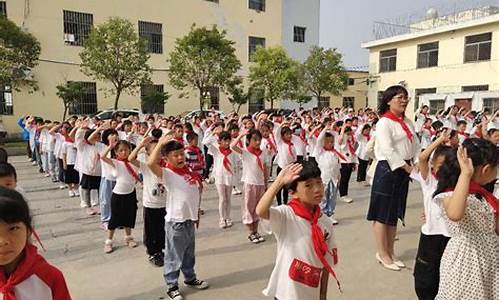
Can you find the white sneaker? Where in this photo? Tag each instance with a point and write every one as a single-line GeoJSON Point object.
{"type": "Point", "coordinates": [346, 199]}
{"type": "Point", "coordinates": [77, 193]}
{"type": "Point", "coordinates": [334, 221]}
{"type": "Point", "coordinates": [62, 187]}
{"type": "Point", "coordinates": [236, 191]}
{"type": "Point", "coordinates": [34, 163]}
{"type": "Point", "coordinates": [47, 175]}
{"type": "Point", "coordinates": [71, 193]}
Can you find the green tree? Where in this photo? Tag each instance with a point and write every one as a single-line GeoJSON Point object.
{"type": "Point", "coordinates": [322, 72]}
{"type": "Point", "coordinates": [70, 93]}
{"type": "Point", "coordinates": [19, 52]}
{"type": "Point", "coordinates": [202, 59]}
{"type": "Point", "coordinates": [153, 99]}
{"type": "Point", "coordinates": [237, 94]}
{"type": "Point", "coordinates": [274, 73]}
{"type": "Point", "coordinates": [114, 52]}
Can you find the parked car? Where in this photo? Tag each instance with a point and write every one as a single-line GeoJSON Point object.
{"type": "Point", "coordinates": [124, 113]}
{"type": "Point", "coordinates": [197, 112]}
{"type": "Point", "coordinates": [282, 111]}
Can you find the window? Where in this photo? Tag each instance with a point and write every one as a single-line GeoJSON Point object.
{"type": "Point", "coordinates": [148, 107]}
{"type": "Point", "coordinates": [3, 8]}
{"type": "Point", "coordinates": [253, 43]}
{"type": "Point", "coordinates": [6, 105]}
{"type": "Point", "coordinates": [213, 97]}
{"type": "Point", "coordinates": [491, 104]}
{"type": "Point", "coordinates": [427, 55]}
{"type": "Point", "coordinates": [475, 88]}
{"type": "Point", "coordinates": [299, 34]}
{"type": "Point", "coordinates": [256, 101]}
{"type": "Point", "coordinates": [350, 81]}
{"type": "Point", "coordinates": [348, 102]}
{"type": "Point", "coordinates": [477, 47]}
{"type": "Point", "coordinates": [151, 32]}
{"type": "Point", "coordinates": [87, 104]}
{"type": "Point", "coordinates": [380, 94]}
{"type": "Point", "coordinates": [77, 27]}
{"type": "Point", "coordinates": [387, 60]}
{"type": "Point", "coordinates": [323, 102]}
{"type": "Point", "coordinates": [258, 5]}
{"type": "Point", "coordinates": [419, 92]}
{"type": "Point", "coordinates": [435, 106]}
{"type": "Point", "coordinates": [214, 1]}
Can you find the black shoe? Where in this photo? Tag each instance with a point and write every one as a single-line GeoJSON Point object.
{"type": "Point", "coordinates": [174, 294]}
{"type": "Point", "coordinates": [197, 284]}
{"type": "Point", "coordinates": [157, 259]}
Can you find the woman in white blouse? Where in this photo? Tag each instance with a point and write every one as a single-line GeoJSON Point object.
{"type": "Point", "coordinates": [396, 144]}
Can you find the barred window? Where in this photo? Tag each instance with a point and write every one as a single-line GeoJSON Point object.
{"type": "Point", "coordinates": [323, 102]}
{"type": "Point", "coordinates": [151, 32]}
{"type": "Point", "coordinates": [477, 47]}
{"type": "Point", "coordinates": [258, 5]}
{"type": "Point", "coordinates": [77, 27]}
{"type": "Point", "coordinates": [436, 105]}
{"type": "Point", "coordinates": [87, 104]}
{"type": "Point", "coordinates": [253, 43]}
{"type": "Point", "coordinates": [299, 34]}
{"type": "Point", "coordinates": [151, 108]}
{"type": "Point", "coordinates": [255, 101]}
{"type": "Point", "coordinates": [475, 88]}
{"type": "Point", "coordinates": [491, 104]}
{"type": "Point", "coordinates": [6, 104]}
{"type": "Point", "coordinates": [350, 81]}
{"type": "Point", "coordinates": [348, 102]}
{"type": "Point", "coordinates": [387, 61]}
{"type": "Point", "coordinates": [215, 1]}
{"type": "Point", "coordinates": [3, 8]}
{"type": "Point", "coordinates": [419, 92]}
{"type": "Point", "coordinates": [213, 96]}
{"type": "Point", "coordinates": [427, 55]}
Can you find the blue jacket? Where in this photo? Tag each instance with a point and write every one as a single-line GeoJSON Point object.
{"type": "Point", "coordinates": [26, 132]}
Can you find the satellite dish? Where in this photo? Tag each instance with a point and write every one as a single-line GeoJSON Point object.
{"type": "Point", "coordinates": [431, 13]}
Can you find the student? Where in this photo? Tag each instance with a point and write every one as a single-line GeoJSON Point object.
{"type": "Point", "coordinates": [8, 176]}
{"type": "Point", "coordinates": [345, 143]}
{"type": "Point", "coordinates": [194, 155]}
{"type": "Point", "coordinates": [183, 204]}
{"type": "Point", "coordinates": [469, 265]}
{"type": "Point", "coordinates": [363, 137]}
{"type": "Point", "coordinates": [427, 133]}
{"type": "Point", "coordinates": [234, 131]}
{"type": "Point", "coordinates": [434, 234]}
{"type": "Point", "coordinates": [124, 198]}
{"type": "Point", "coordinates": [286, 154]}
{"type": "Point", "coordinates": [461, 127]}
{"type": "Point", "coordinates": [24, 274]}
{"type": "Point", "coordinates": [108, 177]}
{"type": "Point", "coordinates": [306, 246]}
{"type": "Point", "coordinates": [268, 145]}
{"type": "Point", "coordinates": [71, 177]}
{"type": "Point", "coordinates": [254, 180]}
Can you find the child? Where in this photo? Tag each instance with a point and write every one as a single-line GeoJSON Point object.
{"type": "Point", "coordinates": [286, 155]}
{"type": "Point", "coordinates": [194, 155]}
{"type": "Point", "coordinates": [71, 177]}
{"type": "Point", "coordinates": [153, 201]}
{"type": "Point", "coordinates": [108, 177]}
{"type": "Point", "coordinates": [268, 146]}
{"type": "Point", "coordinates": [306, 247]}
{"type": "Point", "coordinates": [8, 176]}
{"type": "Point", "coordinates": [461, 127]}
{"type": "Point", "coordinates": [348, 161]}
{"type": "Point", "coordinates": [363, 137]}
{"type": "Point", "coordinates": [434, 234]}
{"type": "Point", "coordinates": [24, 274]}
{"type": "Point", "coordinates": [427, 133]}
{"type": "Point", "coordinates": [469, 265]}
{"type": "Point", "coordinates": [254, 180]}
{"type": "Point", "coordinates": [224, 165]}
{"type": "Point", "coordinates": [124, 198]}
{"type": "Point", "coordinates": [183, 202]}
{"type": "Point", "coordinates": [234, 131]}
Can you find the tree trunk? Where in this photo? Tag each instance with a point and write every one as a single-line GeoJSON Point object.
{"type": "Point", "coordinates": [118, 92]}
{"type": "Point", "coordinates": [201, 101]}
{"type": "Point", "coordinates": [65, 111]}
{"type": "Point", "coordinates": [272, 103]}
{"type": "Point", "coordinates": [238, 109]}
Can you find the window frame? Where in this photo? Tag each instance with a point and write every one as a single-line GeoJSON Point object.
{"type": "Point", "coordinates": [3, 8]}
{"type": "Point", "coordinates": [299, 34]}
{"type": "Point", "coordinates": [475, 88]}
{"type": "Point", "coordinates": [478, 44]}
{"type": "Point", "coordinates": [422, 91]}
{"type": "Point", "coordinates": [253, 48]}
{"type": "Point", "coordinates": [389, 60]}
{"type": "Point", "coordinates": [432, 109]}
{"type": "Point", "coordinates": [5, 108]}
{"type": "Point", "coordinates": [427, 54]}
{"type": "Point", "coordinates": [257, 5]}
{"type": "Point", "coordinates": [348, 99]}
{"type": "Point", "coordinates": [82, 29]}
{"type": "Point", "coordinates": [146, 31]}
{"type": "Point", "coordinates": [151, 109]}
{"type": "Point", "coordinates": [492, 108]}
{"type": "Point", "coordinates": [323, 101]}
{"type": "Point", "coordinates": [87, 107]}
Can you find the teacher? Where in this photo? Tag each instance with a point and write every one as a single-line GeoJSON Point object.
{"type": "Point", "coordinates": [396, 144]}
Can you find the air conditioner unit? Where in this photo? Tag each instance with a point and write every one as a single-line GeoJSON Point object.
{"type": "Point", "coordinates": [69, 38]}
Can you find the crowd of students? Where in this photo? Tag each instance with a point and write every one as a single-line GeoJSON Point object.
{"type": "Point", "coordinates": [268, 157]}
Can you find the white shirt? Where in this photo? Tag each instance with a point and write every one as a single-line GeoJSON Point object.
{"type": "Point", "coordinates": [221, 175]}
{"type": "Point", "coordinates": [345, 150]}
{"type": "Point", "coordinates": [329, 164]}
{"type": "Point", "coordinates": [434, 222]}
{"type": "Point", "coordinates": [294, 241]}
{"type": "Point", "coordinates": [88, 159]}
{"type": "Point", "coordinates": [361, 150]}
{"type": "Point", "coordinates": [107, 171]}
{"type": "Point", "coordinates": [183, 198]}
{"type": "Point", "coordinates": [299, 145]}
{"type": "Point", "coordinates": [125, 182]}
{"type": "Point", "coordinates": [284, 157]}
{"type": "Point", "coordinates": [267, 149]}
{"type": "Point", "coordinates": [392, 143]}
{"type": "Point", "coordinates": [69, 150]}
{"type": "Point", "coordinates": [151, 182]}
{"type": "Point", "coordinates": [59, 141]}
{"type": "Point", "coordinates": [252, 173]}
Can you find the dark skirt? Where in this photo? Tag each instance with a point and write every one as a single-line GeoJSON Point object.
{"type": "Point", "coordinates": [123, 210]}
{"type": "Point", "coordinates": [388, 195]}
{"type": "Point", "coordinates": [89, 182]}
{"type": "Point", "coordinates": [71, 175]}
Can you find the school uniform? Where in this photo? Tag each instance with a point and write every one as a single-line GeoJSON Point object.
{"type": "Point", "coordinates": [123, 198]}
{"type": "Point", "coordinates": [59, 142]}
{"type": "Point", "coordinates": [68, 150]}
{"type": "Point", "coordinates": [329, 164]}
{"type": "Point", "coordinates": [361, 153]}
{"type": "Point", "coordinates": [300, 144]}
{"type": "Point", "coordinates": [286, 155]}
{"type": "Point", "coordinates": [254, 184]}
{"type": "Point", "coordinates": [108, 182]}
{"type": "Point", "coordinates": [90, 168]}
{"type": "Point", "coordinates": [426, 135]}
{"type": "Point", "coordinates": [348, 160]}
{"type": "Point", "coordinates": [268, 146]}
{"type": "Point", "coordinates": [195, 159]}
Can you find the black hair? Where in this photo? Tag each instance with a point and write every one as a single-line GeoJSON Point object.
{"type": "Point", "coordinates": [309, 170]}
{"type": "Point", "coordinates": [120, 143]}
{"type": "Point", "coordinates": [267, 124]}
{"type": "Point", "coordinates": [233, 126]}
{"type": "Point", "coordinates": [328, 135]}
{"type": "Point", "coordinates": [443, 150]}
{"type": "Point", "coordinates": [191, 136]}
{"type": "Point", "coordinates": [388, 94]}
{"type": "Point", "coordinates": [254, 133]}
{"type": "Point", "coordinates": [188, 127]}
{"type": "Point", "coordinates": [171, 146]}
{"type": "Point", "coordinates": [481, 152]}
{"type": "Point", "coordinates": [437, 125]}
{"type": "Point", "coordinates": [461, 122]}
{"type": "Point", "coordinates": [492, 131]}
{"type": "Point", "coordinates": [156, 133]}
{"type": "Point", "coordinates": [366, 126]}
{"type": "Point", "coordinates": [14, 208]}
{"type": "Point", "coordinates": [88, 133]}
{"type": "Point", "coordinates": [178, 125]}
{"type": "Point", "coordinates": [285, 130]}
{"type": "Point", "coordinates": [106, 133]}
{"type": "Point", "coordinates": [224, 136]}
{"type": "Point", "coordinates": [7, 170]}
{"type": "Point", "coordinates": [339, 123]}
{"type": "Point", "coordinates": [126, 122]}
{"type": "Point", "coordinates": [4, 156]}
{"type": "Point", "coordinates": [47, 121]}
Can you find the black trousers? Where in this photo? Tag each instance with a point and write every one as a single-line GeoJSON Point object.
{"type": "Point", "coordinates": [209, 161]}
{"type": "Point", "coordinates": [345, 176]}
{"type": "Point", "coordinates": [312, 159]}
{"type": "Point", "coordinates": [282, 196]}
{"type": "Point", "coordinates": [60, 176]}
{"type": "Point", "coordinates": [426, 271]}
{"type": "Point", "coordinates": [362, 166]}
{"type": "Point", "coordinates": [300, 158]}
{"type": "Point", "coordinates": [28, 149]}
{"type": "Point", "coordinates": [154, 229]}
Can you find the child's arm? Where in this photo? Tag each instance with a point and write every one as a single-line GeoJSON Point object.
{"type": "Point", "coordinates": [423, 158]}
{"type": "Point", "coordinates": [234, 143]}
{"type": "Point", "coordinates": [104, 156]}
{"type": "Point", "coordinates": [132, 158]}
{"type": "Point", "coordinates": [456, 204]}
{"type": "Point", "coordinates": [323, 288]}
{"type": "Point", "coordinates": [154, 158]}
{"type": "Point", "coordinates": [286, 176]}
{"type": "Point", "coordinates": [277, 133]}
{"type": "Point", "coordinates": [341, 135]}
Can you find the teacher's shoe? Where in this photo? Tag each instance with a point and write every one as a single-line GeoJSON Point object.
{"type": "Point", "coordinates": [392, 267]}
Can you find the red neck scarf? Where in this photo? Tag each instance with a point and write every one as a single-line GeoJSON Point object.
{"type": "Point", "coordinates": [291, 151]}
{"type": "Point", "coordinates": [475, 188]}
{"type": "Point", "coordinates": [130, 169]}
{"type": "Point", "coordinates": [27, 267]}
{"type": "Point", "coordinates": [334, 151]}
{"type": "Point", "coordinates": [479, 132]}
{"type": "Point", "coordinates": [240, 144]}
{"type": "Point", "coordinates": [68, 139]}
{"type": "Point", "coordinates": [401, 120]}
{"type": "Point", "coordinates": [367, 136]}
{"type": "Point", "coordinates": [257, 153]}
{"type": "Point", "coordinates": [350, 145]}
{"type": "Point", "coordinates": [464, 134]}
{"type": "Point", "coordinates": [190, 176]}
{"type": "Point", "coordinates": [319, 244]}
{"type": "Point", "coordinates": [270, 144]}
{"type": "Point", "coordinates": [198, 152]}
{"type": "Point", "coordinates": [225, 161]}
{"type": "Point", "coordinates": [180, 140]}
{"type": "Point", "coordinates": [302, 136]}
{"type": "Point", "coordinates": [429, 129]}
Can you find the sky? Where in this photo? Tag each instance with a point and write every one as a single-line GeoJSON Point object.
{"type": "Point", "coordinates": [345, 24]}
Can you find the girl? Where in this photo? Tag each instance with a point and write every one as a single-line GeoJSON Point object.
{"type": "Point", "coordinates": [108, 178]}
{"type": "Point", "coordinates": [24, 274]}
{"type": "Point", "coordinates": [427, 133]}
{"type": "Point", "coordinates": [286, 155]}
{"type": "Point", "coordinates": [68, 153]}
{"type": "Point", "coordinates": [268, 145]}
{"type": "Point", "coordinates": [469, 266]}
{"type": "Point", "coordinates": [254, 180]}
{"type": "Point", "coordinates": [124, 198]}
{"type": "Point", "coordinates": [363, 137]}
{"type": "Point", "coordinates": [346, 146]}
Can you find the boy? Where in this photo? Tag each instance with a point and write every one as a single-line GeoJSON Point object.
{"type": "Point", "coordinates": [194, 155]}
{"type": "Point", "coordinates": [8, 176]}
{"type": "Point", "coordinates": [183, 188]}
{"type": "Point", "coordinates": [306, 247]}
{"type": "Point", "coordinates": [462, 135]}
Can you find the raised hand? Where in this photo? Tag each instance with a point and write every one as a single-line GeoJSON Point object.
{"type": "Point", "coordinates": [466, 166]}
{"type": "Point", "coordinates": [289, 173]}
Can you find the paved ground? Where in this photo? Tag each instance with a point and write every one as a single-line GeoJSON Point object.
{"type": "Point", "coordinates": [235, 268]}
